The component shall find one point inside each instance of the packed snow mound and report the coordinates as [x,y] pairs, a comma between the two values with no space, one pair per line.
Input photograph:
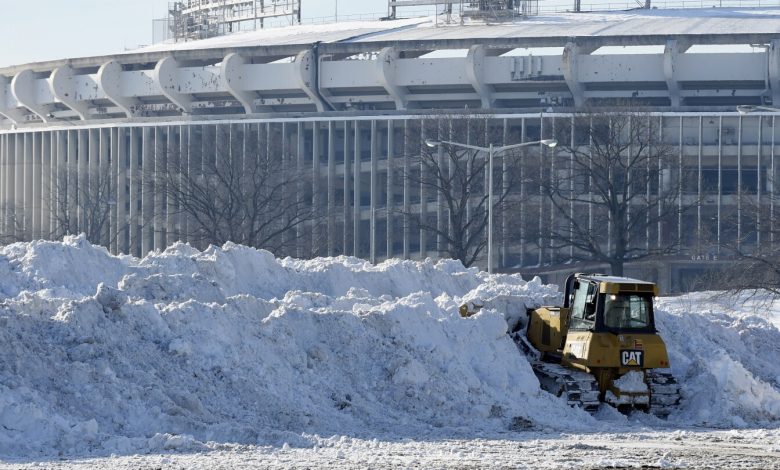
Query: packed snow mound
[724,351]
[113,354]
[117,354]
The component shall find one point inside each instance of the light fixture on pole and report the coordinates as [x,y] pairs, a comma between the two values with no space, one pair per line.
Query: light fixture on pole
[491,151]
[747,109]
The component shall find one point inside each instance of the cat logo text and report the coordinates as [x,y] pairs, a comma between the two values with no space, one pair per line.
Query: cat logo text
[632,358]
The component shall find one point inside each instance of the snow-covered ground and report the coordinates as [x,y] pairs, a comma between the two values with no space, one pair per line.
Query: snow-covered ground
[230,357]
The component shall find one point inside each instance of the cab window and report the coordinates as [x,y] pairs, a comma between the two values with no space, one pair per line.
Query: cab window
[627,311]
[583,309]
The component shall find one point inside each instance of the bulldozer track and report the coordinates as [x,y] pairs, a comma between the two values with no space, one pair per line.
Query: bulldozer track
[664,393]
[579,388]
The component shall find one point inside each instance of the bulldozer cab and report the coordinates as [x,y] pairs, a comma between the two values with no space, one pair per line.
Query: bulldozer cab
[608,304]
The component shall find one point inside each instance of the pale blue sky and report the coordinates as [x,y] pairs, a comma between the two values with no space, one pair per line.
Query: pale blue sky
[36,30]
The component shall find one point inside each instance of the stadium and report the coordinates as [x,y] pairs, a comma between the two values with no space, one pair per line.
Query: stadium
[348,105]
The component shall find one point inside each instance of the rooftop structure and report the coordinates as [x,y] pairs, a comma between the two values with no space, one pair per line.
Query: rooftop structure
[201,19]
[489,10]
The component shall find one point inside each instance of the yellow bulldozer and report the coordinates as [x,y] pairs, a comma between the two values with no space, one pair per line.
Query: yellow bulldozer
[601,346]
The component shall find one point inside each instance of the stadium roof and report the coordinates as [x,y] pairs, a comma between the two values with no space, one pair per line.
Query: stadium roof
[639,22]
[592,30]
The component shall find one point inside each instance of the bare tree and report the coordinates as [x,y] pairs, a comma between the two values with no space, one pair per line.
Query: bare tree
[610,189]
[84,206]
[13,223]
[238,189]
[451,180]
[750,256]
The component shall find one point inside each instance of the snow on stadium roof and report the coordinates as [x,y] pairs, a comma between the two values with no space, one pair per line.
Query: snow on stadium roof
[733,21]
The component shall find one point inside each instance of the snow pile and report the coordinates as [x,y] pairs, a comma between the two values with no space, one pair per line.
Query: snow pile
[105,354]
[116,354]
[724,352]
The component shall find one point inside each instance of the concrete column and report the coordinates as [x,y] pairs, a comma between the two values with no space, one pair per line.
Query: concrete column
[523,198]
[46,184]
[3,178]
[570,66]
[331,187]
[112,142]
[356,195]
[3,170]
[160,161]
[771,189]
[147,196]
[316,203]
[542,237]
[390,205]
[71,209]
[120,215]
[680,187]
[28,194]
[423,196]
[173,153]
[774,70]
[92,194]
[57,183]
[299,189]
[475,71]
[700,195]
[60,179]
[671,53]
[720,181]
[739,183]
[185,147]
[346,248]
[135,232]
[12,177]
[82,188]
[758,182]
[441,223]
[407,191]
[37,190]
[374,194]
[106,181]
[504,190]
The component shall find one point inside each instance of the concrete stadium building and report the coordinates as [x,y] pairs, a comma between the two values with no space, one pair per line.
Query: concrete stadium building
[343,96]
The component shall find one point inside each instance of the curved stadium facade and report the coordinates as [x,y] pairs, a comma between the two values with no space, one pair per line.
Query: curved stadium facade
[340,102]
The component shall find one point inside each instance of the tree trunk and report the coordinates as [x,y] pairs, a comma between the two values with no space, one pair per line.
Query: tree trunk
[616,267]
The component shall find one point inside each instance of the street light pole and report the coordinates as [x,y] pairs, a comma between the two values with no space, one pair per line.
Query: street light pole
[491,151]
